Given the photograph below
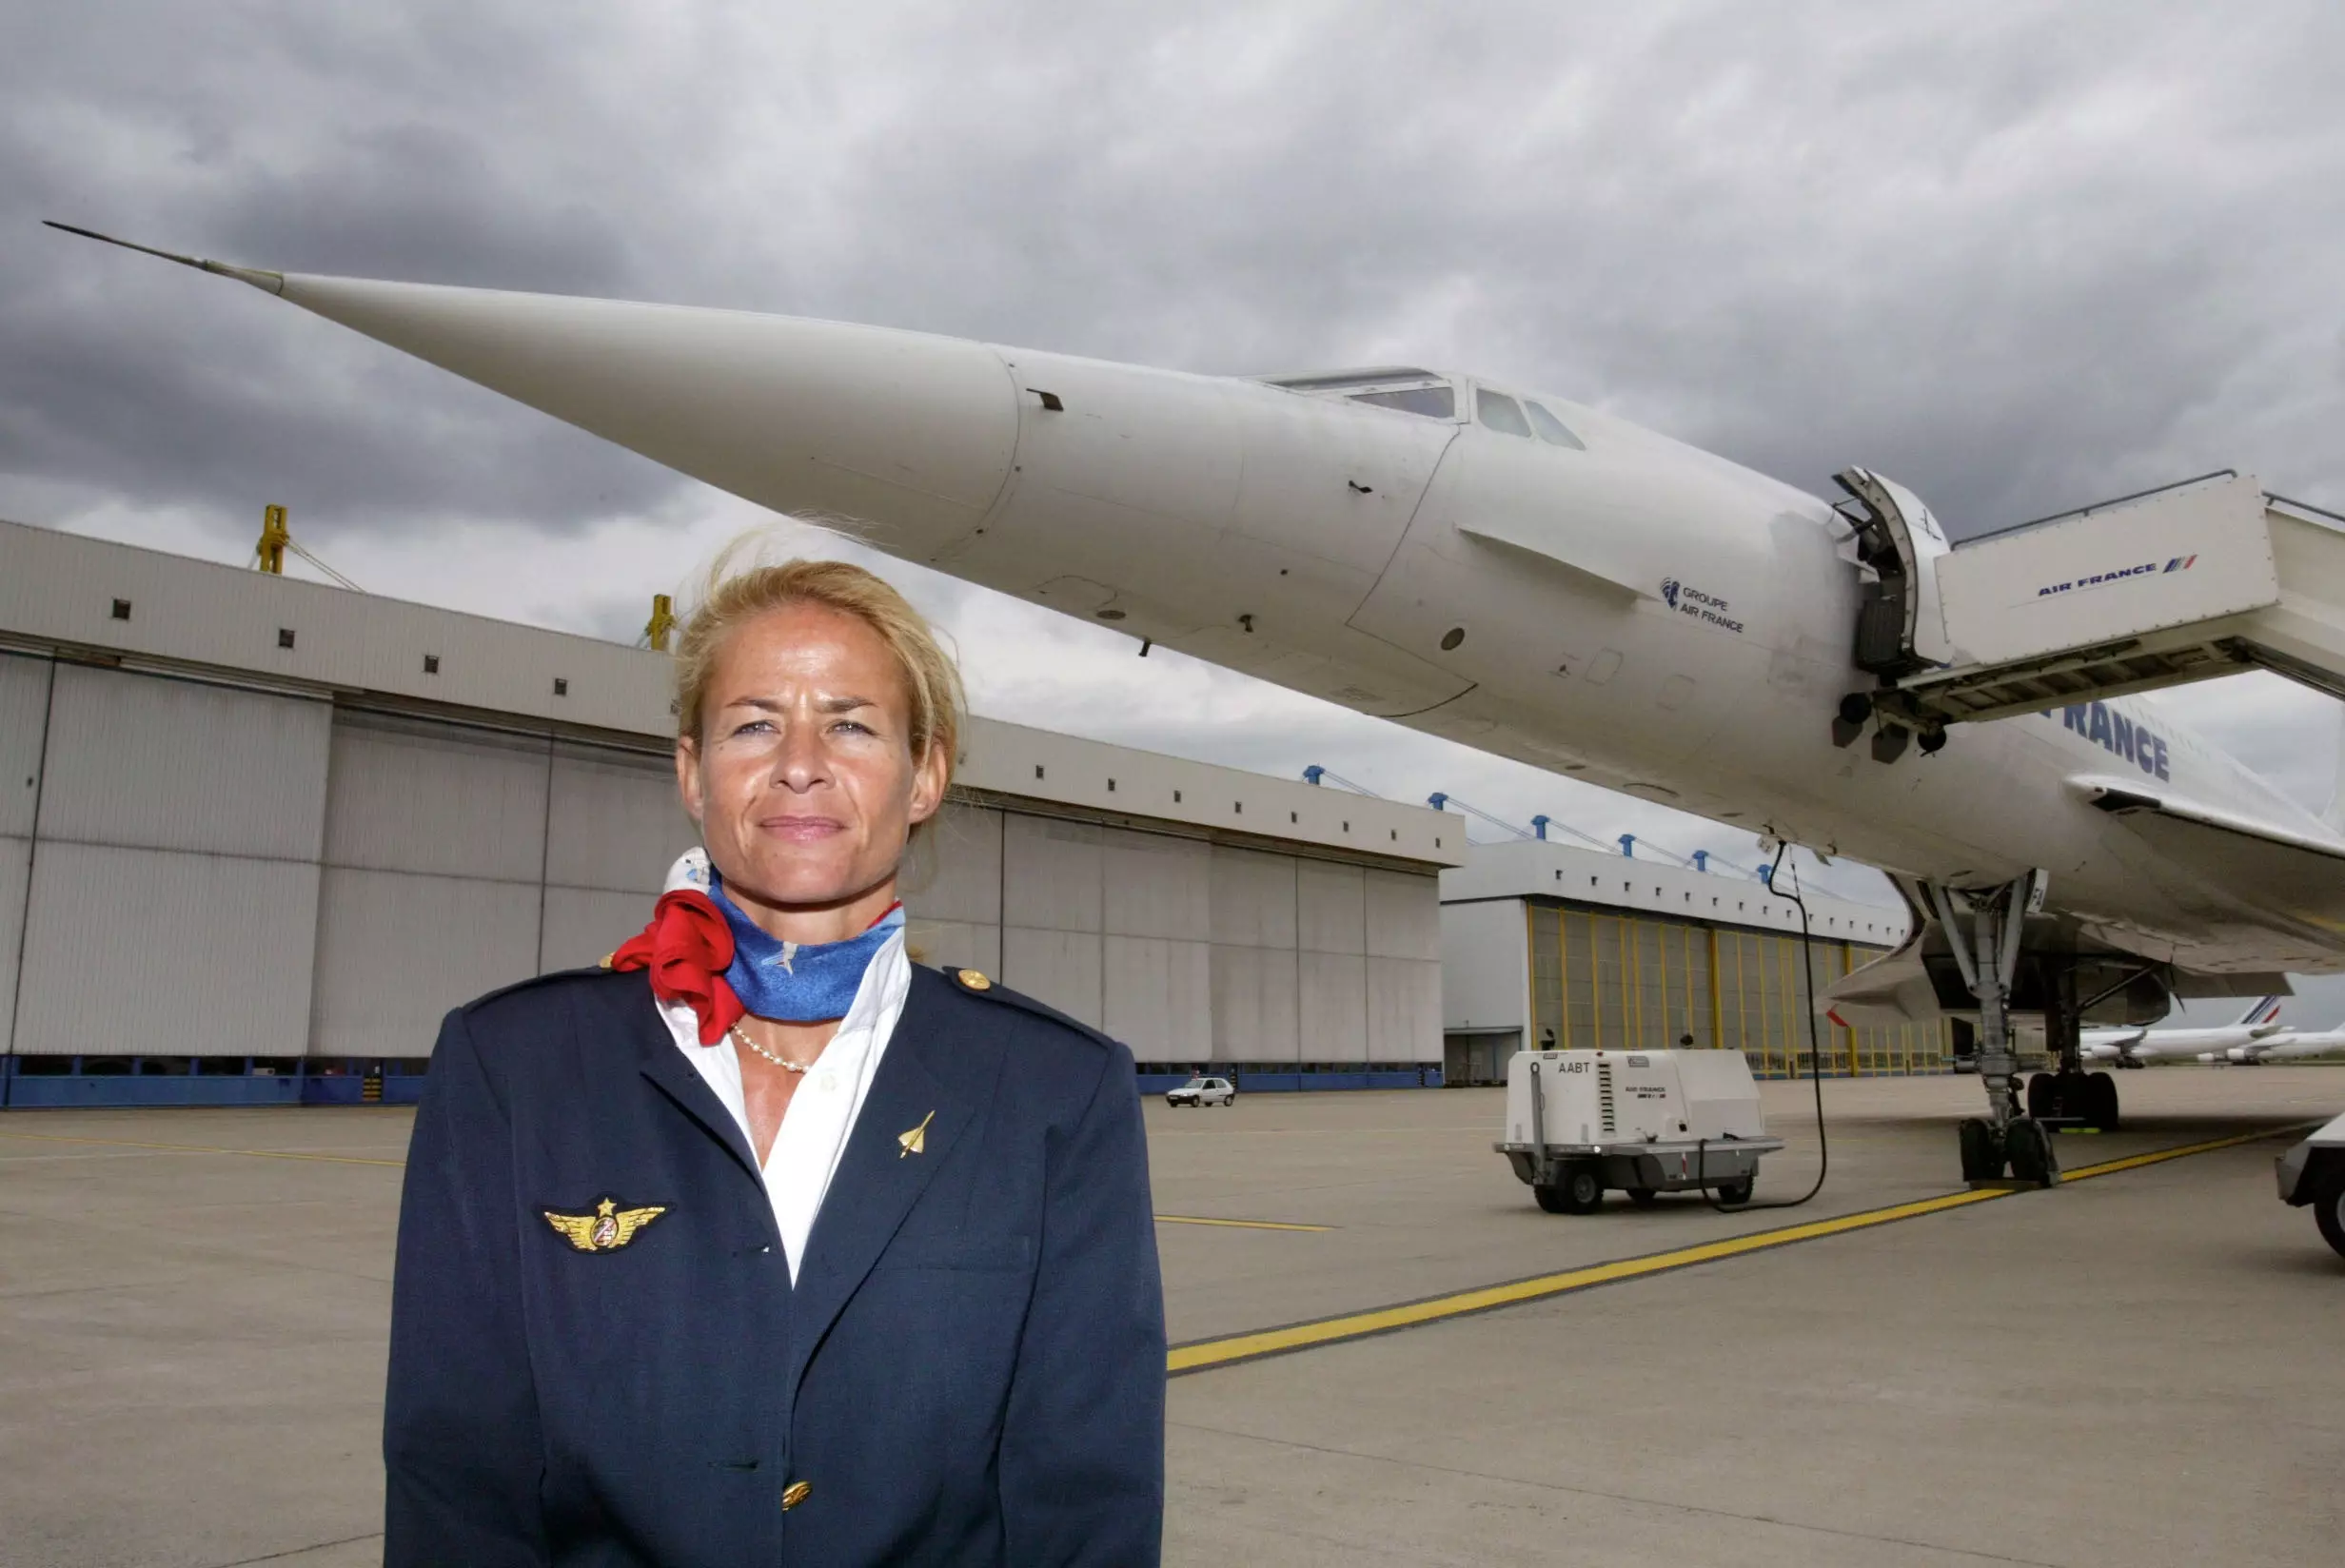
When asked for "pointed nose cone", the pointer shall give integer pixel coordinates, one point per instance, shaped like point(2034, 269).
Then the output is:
point(908, 436)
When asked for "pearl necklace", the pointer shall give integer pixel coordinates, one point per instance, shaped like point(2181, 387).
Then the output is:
point(781, 1061)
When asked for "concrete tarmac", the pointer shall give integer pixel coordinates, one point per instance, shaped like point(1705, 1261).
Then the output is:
point(2135, 1370)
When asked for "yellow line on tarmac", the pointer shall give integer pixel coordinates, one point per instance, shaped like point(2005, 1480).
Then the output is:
point(2160, 1156)
point(1271, 1342)
point(1203, 1354)
point(1245, 1225)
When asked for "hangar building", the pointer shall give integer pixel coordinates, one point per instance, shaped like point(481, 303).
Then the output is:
point(1564, 947)
point(257, 834)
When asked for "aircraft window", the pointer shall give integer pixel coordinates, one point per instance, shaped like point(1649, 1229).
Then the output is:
point(1551, 429)
point(1339, 379)
point(1501, 413)
point(1434, 402)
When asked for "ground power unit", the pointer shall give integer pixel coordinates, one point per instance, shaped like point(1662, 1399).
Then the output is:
point(1581, 1123)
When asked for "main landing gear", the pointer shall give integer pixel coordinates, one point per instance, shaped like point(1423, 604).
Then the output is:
point(2013, 1136)
point(2074, 1096)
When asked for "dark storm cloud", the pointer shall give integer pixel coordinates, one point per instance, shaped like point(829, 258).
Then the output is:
point(2018, 255)
point(124, 381)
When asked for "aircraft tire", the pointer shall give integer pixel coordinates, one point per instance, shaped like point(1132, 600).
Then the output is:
point(2032, 1158)
point(2328, 1211)
point(2101, 1101)
point(1983, 1155)
point(2043, 1095)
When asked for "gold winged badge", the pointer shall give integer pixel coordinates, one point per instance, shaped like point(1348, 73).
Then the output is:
point(608, 1228)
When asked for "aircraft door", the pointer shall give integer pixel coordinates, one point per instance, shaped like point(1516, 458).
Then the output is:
point(1900, 628)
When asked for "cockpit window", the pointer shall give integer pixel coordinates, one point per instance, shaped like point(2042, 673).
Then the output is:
point(1434, 402)
point(1338, 381)
point(1501, 413)
point(1551, 429)
point(1404, 388)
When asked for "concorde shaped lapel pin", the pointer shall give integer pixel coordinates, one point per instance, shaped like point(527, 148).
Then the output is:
point(916, 1142)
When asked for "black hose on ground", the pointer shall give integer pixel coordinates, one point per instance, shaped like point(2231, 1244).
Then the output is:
point(1815, 1061)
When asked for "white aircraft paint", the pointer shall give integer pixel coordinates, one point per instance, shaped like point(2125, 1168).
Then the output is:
point(1619, 607)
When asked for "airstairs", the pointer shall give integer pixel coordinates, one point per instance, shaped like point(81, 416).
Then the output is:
point(2193, 581)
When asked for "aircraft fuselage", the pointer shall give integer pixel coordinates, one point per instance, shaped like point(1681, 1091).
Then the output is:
point(1612, 604)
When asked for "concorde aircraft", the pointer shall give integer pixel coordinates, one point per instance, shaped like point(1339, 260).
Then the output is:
point(1512, 571)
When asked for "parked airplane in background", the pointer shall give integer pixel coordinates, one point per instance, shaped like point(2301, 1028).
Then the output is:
point(2140, 1047)
point(2288, 1046)
point(1542, 581)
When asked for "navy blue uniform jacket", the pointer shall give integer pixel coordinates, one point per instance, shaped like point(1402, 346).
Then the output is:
point(970, 1368)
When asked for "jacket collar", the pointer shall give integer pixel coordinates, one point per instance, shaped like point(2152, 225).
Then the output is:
point(659, 1061)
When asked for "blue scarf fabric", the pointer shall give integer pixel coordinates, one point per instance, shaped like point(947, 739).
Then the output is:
point(797, 983)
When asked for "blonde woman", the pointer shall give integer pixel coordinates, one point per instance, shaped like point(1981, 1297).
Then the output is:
point(764, 1245)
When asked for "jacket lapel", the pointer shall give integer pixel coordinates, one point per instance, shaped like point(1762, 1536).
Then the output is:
point(661, 1062)
point(879, 1178)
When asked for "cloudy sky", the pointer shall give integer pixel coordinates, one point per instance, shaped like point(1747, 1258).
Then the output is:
point(2022, 256)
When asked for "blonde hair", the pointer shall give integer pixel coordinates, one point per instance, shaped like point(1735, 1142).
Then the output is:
point(733, 598)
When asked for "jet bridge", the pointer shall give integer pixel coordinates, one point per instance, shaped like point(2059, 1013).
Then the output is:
point(2193, 581)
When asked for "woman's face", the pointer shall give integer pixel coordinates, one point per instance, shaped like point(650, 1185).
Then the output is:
point(802, 778)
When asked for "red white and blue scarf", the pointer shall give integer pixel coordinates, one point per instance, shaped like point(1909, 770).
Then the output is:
point(703, 951)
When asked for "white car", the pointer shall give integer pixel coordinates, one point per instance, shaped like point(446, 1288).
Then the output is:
point(1202, 1091)
point(2313, 1176)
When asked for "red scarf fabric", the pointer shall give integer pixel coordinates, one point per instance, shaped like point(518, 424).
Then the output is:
point(687, 946)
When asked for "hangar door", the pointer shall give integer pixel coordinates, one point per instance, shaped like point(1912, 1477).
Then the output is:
point(175, 840)
point(458, 860)
point(1608, 980)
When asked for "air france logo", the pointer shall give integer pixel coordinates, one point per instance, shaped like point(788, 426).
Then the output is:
point(2102, 579)
point(1707, 608)
point(2117, 734)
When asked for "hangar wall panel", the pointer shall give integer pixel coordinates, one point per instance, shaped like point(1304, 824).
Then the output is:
point(1049, 873)
point(23, 710)
point(955, 945)
point(145, 761)
point(397, 950)
point(435, 798)
point(1155, 884)
point(1255, 1004)
point(1332, 1007)
point(1253, 899)
point(583, 925)
point(614, 821)
point(1404, 914)
point(1483, 951)
point(1331, 908)
point(1058, 967)
point(1404, 1010)
point(217, 949)
point(956, 868)
point(1158, 997)
point(15, 871)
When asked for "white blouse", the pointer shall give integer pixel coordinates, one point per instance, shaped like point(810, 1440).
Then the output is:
point(822, 1116)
